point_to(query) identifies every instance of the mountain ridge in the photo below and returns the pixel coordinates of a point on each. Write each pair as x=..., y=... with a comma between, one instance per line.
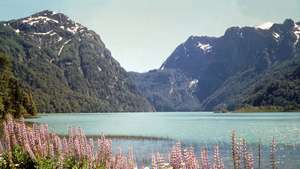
x=67, y=66
x=237, y=58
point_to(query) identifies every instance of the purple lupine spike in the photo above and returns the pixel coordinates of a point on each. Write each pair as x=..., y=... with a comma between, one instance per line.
x=176, y=156
x=65, y=146
x=217, y=162
x=204, y=159
x=235, y=151
x=104, y=150
x=29, y=151
x=58, y=145
x=190, y=159
x=249, y=161
x=11, y=126
x=6, y=136
x=1, y=148
x=90, y=155
x=18, y=134
x=244, y=152
x=154, y=162
x=77, y=149
x=51, y=151
x=7, y=141
x=160, y=161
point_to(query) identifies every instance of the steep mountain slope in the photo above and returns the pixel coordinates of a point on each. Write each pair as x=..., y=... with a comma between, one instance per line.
x=14, y=98
x=67, y=66
x=228, y=67
x=168, y=90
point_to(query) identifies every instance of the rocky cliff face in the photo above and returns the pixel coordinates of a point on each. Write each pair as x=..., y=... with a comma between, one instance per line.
x=67, y=66
x=226, y=68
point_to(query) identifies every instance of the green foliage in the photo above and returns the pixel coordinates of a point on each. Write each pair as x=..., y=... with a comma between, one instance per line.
x=279, y=89
x=47, y=163
x=19, y=160
x=14, y=98
x=70, y=82
x=71, y=163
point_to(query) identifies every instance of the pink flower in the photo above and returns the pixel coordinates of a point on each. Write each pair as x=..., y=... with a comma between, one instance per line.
x=190, y=159
x=176, y=156
x=217, y=162
x=235, y=151
x=204, y=159
x=154, y=162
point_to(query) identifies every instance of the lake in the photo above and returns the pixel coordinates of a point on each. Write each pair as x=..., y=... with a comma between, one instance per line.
x=147, y=133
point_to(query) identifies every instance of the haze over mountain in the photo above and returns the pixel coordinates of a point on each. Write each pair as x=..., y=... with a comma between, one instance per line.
x=256, y=67
x=67, y=66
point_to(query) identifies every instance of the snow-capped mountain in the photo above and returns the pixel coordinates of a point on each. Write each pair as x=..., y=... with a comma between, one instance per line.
x=226, y=68
x=67, y=66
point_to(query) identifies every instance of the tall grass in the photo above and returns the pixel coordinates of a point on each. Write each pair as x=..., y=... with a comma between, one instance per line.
x=36, y=147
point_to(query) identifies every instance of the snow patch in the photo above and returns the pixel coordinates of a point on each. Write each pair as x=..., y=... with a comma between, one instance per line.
x=276, y=35
x=204, y=47
x=162, y=67
x=62, y=47
x=193, y=83
x=53, y=33
x=59, y=39
x=17, y=31
x=171, y=91
x=99, y=68
x=265, y=26
x=33, y=20
x=297, y=33
x=241, y=35
x=46, y=33
x=4, y=24
x=74, y=29
x=62, y=27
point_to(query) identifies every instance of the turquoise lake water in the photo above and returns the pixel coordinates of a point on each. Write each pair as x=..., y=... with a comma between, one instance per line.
x=190, y=128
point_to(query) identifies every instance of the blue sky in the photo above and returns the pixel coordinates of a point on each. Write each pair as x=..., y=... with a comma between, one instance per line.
x=142, y=33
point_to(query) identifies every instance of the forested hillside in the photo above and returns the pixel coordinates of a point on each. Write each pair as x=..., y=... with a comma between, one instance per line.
x=15, y=99
x=67, y=66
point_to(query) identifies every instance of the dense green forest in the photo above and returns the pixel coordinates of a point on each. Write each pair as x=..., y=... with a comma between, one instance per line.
x=15, y=99
x=67, y=71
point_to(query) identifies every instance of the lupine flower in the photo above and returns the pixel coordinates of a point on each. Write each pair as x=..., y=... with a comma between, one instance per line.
x=154, y=162
x=249, y=161
x=190, y=159
x=1, y=148
x=244, y=152
x=160, y=161
x=176, y=157
x=217, y=162
x=235, y=151
x=29, y=151
x=204, y=159
x=104, y=149
x=39, y=143
x=7, y=141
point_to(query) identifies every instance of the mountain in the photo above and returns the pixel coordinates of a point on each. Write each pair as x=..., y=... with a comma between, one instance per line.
x=67, y=66
x=167, y=90
x=248, y=67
